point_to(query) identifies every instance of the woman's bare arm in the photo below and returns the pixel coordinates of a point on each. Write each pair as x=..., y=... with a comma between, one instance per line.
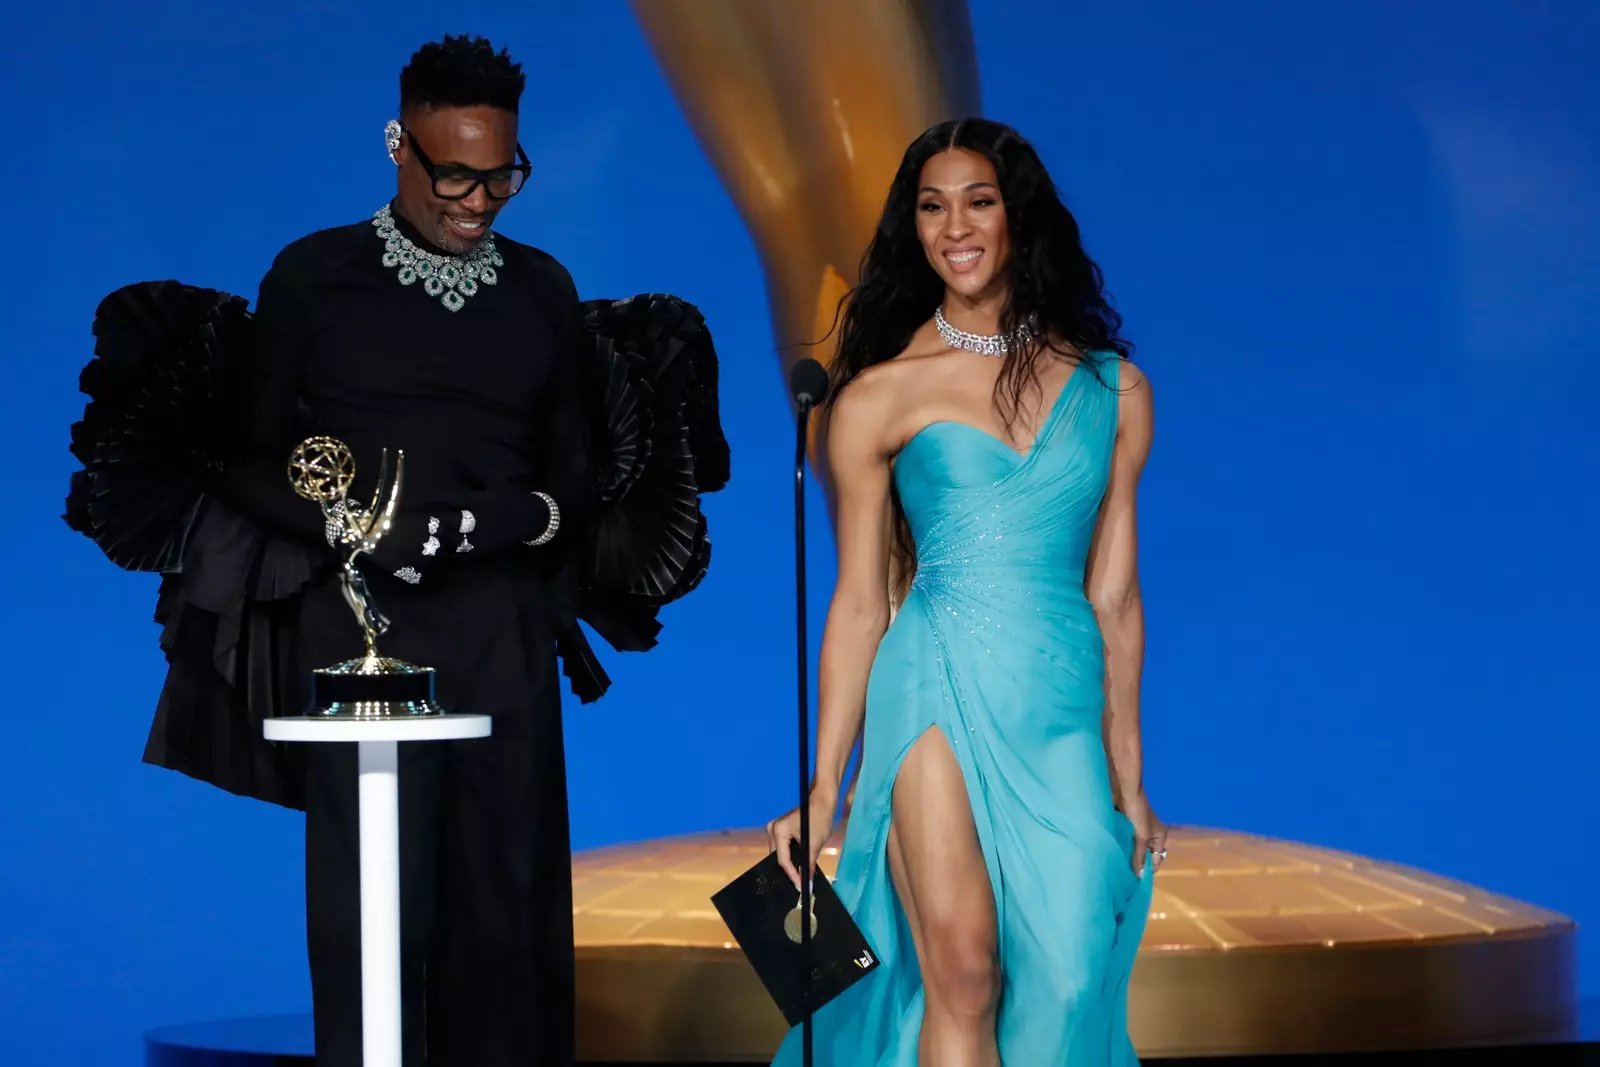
x=1113, y=588
x=859, y=612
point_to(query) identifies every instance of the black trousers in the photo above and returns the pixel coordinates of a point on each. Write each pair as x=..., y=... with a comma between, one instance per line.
x=485, y=893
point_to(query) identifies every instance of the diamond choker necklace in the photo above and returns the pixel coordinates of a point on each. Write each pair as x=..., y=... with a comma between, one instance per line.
x=449, y=278
x=985, y=345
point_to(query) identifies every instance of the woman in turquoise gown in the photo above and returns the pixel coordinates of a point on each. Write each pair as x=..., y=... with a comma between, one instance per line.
x=985, y=436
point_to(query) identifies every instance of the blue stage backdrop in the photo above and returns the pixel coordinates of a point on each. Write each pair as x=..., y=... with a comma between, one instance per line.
x=1359, y=250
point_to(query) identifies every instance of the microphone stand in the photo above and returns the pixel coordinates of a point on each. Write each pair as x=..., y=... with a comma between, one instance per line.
x=805, y=405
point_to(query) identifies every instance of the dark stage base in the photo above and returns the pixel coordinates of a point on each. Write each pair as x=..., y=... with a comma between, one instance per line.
x=260, y=1041
x=285, y=1041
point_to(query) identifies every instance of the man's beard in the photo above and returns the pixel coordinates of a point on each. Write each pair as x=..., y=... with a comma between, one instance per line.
x=458, y=244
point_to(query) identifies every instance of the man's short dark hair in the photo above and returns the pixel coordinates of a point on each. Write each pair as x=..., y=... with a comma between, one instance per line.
x=461, y=72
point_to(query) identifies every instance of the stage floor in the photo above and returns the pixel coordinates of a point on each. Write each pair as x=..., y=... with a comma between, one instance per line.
x=285, y=1041
x=1254, y=945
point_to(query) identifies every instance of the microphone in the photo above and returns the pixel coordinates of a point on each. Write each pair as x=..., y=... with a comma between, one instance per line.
x=808, y=383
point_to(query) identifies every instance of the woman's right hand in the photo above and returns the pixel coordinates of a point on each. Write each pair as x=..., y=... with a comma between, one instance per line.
x=782, y=831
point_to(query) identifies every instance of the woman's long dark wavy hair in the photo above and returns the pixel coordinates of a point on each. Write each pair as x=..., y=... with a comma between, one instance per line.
x=1052, y=281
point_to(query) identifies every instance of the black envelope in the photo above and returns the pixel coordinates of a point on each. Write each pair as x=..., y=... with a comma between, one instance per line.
x=761, y=908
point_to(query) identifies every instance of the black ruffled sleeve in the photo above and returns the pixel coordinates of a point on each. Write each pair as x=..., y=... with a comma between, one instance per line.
x=159, y=441
x=155, y=433
x=649, y=383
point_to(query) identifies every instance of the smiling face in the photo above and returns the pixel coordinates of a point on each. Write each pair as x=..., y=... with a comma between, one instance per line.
x=455, y=141
x=961, y=222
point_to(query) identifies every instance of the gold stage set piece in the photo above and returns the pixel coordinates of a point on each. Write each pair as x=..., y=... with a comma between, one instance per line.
x=1254, y=945
x=805, y=110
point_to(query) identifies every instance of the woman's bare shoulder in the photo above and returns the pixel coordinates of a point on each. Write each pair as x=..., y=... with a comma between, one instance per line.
x=868, y=395
x=1132, y=376
x=885, y=392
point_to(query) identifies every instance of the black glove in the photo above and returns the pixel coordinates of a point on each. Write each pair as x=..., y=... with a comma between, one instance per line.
x=424, y=539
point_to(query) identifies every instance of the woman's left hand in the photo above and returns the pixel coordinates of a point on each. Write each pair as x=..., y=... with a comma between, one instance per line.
x=1150, y=833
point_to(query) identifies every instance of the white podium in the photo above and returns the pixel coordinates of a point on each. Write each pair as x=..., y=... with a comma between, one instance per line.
x=377, y=743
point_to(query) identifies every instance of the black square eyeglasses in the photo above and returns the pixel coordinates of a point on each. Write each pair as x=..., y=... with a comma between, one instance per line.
x=455, y=182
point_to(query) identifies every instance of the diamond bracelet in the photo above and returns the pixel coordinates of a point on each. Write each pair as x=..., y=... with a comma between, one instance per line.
x=555, y=520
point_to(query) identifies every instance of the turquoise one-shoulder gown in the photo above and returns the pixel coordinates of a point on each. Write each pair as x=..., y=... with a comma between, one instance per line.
x=997, y=646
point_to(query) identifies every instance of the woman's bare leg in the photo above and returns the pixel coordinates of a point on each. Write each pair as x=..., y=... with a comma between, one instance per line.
x=943, y=887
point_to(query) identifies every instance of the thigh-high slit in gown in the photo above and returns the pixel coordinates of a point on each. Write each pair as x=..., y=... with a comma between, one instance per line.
x=997, y=646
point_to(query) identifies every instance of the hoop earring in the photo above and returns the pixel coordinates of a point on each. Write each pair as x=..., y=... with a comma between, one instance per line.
x=391, y=138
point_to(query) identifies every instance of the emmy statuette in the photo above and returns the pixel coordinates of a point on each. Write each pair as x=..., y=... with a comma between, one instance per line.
x=372, y=686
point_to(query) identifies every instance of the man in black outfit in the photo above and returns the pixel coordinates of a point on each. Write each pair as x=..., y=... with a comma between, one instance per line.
x=421, y=329
x=556, y=455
